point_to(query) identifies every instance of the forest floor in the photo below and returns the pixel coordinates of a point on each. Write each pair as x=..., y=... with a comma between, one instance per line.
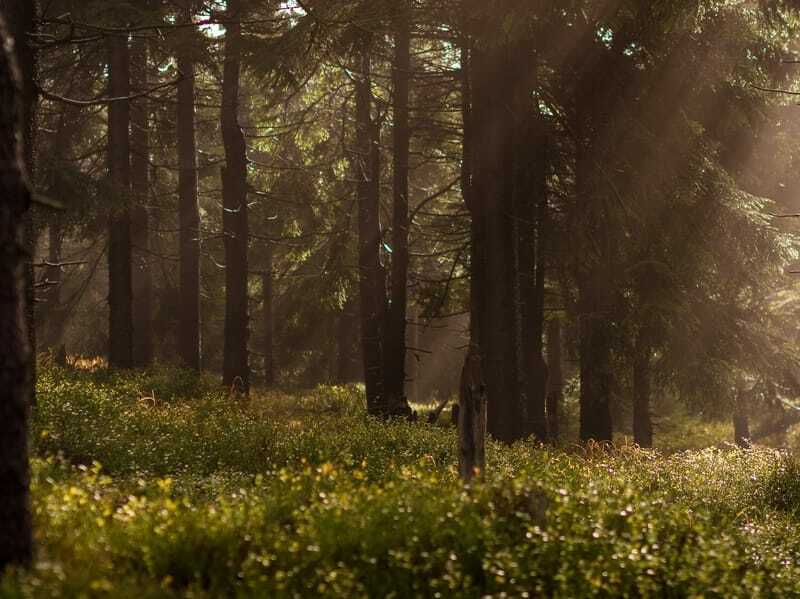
x=157, y=484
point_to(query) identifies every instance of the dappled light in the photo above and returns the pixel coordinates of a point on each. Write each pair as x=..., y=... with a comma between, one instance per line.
x=399, y=298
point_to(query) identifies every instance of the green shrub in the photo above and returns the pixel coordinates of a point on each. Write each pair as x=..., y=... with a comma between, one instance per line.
x=303, y=495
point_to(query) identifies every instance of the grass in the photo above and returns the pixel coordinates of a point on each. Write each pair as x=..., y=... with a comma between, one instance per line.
x=300, y=494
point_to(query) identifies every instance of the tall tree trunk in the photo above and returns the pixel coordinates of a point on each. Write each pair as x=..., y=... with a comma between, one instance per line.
x=16, y=363
x=142, y=280
x=642, y=388
x=21, y=18
x=593, y=281
x=189, y=344
x=395, y=348
x=267, y=289
x=371, y=275
x=497, y=258
x=234, y=191
x=120, y=293
x=531, y=181
x=555, y=378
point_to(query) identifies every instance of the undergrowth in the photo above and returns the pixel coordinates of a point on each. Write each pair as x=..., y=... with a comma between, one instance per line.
x=145, y=488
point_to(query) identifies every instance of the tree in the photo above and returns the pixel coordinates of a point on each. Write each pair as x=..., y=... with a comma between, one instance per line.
x=16, y=363
x=120, y=294
x=142, y=279
x=235, y=219
x=189, y=209
x=395, y=344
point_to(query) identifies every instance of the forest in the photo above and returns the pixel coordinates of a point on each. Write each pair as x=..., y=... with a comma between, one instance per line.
x=399, y=298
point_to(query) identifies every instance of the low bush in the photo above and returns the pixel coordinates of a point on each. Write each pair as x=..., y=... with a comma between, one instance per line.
x=302, y=495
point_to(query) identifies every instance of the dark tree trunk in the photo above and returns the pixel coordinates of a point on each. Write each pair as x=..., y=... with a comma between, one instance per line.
x=142, y=280
x=120, y=292
x=236, y=368
x=472, y=417
x=267, y=290
x=395, y=349
x=189, y=343
x=555, y=378
x=642, y=389
x=594, y=285
x=371, y=275
x=16, y=363
x=531, y=211
x=496, y=257
x=21, y=16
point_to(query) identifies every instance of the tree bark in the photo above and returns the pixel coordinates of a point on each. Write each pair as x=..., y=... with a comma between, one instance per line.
x=372, y=277
x=16, y=363
x=236, y=368
x=120, y=294
x=142, y=280
x=642, y=389
x=555, y=378
x=395, y=349
x=531, y=181
x=472, y=418
x=189, y=343
x=267, y=289
x=593, y=276
x=496, y=284
x=22, y=18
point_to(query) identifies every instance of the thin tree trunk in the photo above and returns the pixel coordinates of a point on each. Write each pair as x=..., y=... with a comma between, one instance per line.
x=372, y=283
x=52, y=312
x=120, y=294
x=142, y=280
x=189, y=343
x=395, y=349
x=555, y=378
x=236, y=368
x=267, y=289
x=16, y=363
x=642, y=389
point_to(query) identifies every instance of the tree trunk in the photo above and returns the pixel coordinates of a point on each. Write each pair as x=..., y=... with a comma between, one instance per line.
x=189, y=343
x=555, y=378
x=269, y=322
x=120, y=293
x=372, y=281
x=22, y=18
x=236, y=369
x=642, y=389
x=142, y=280
x=395, y=349
x=52, y=313
x=531, y=182
x=16, y=363
x=496, y=257
x=593, y=281
x=472, y=418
